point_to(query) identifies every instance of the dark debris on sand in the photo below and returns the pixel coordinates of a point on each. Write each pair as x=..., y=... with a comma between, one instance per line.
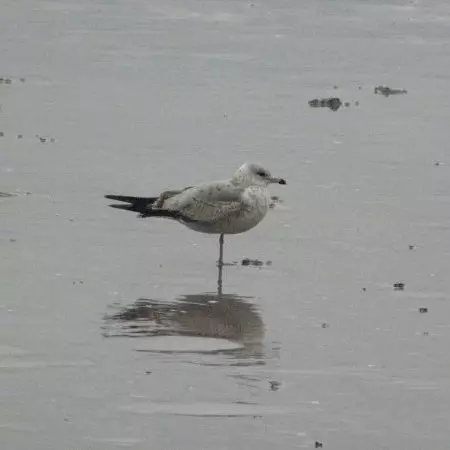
x=274, y=201
x=41, y=139
x=10, y=80
x=252, y=262
x=387, y=91
x=274, y=385
x=334, y=103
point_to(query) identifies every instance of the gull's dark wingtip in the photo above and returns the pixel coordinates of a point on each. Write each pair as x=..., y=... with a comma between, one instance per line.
x=126, y=207
x=136, y=204
x=129, y=198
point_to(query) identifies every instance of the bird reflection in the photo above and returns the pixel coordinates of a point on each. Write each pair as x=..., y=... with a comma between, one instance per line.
x=209, y=315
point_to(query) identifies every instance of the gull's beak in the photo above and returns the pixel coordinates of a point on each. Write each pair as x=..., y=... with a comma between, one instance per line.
x=278, y=180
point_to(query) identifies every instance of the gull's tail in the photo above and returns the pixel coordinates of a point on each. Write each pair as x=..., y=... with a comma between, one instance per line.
x=143, y=206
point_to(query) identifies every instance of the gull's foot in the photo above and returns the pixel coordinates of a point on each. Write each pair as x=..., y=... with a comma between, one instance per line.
x=234, y=263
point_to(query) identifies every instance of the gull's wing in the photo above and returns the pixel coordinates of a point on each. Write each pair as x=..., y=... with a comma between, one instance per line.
x=208, y=203
x=209, y=213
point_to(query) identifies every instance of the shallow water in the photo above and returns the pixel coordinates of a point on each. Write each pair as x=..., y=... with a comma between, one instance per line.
x=111, y=335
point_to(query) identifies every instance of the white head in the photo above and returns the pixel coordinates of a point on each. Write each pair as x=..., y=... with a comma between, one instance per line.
x=254, y=174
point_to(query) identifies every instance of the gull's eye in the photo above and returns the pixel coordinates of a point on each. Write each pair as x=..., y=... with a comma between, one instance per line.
x=261, y=173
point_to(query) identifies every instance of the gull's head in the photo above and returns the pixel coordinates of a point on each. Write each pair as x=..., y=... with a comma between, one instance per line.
x=255, y=174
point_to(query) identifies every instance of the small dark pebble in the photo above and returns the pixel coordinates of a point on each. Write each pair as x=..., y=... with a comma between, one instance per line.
x=251, y=262
x=347, y=104
x=437, y=163
x=387, y=91
x=13, y=240
x=334, y=103
x=2, y=134
x=411, y=247
x=325, y=325
x=274, y=201
x=22, y=80
x=399, y=286
x=274, y=385
x=8, y=80
x=423, y=310
x=318, y=444
x=19, y=136
x=364, y=289
x=268, y=263
x=425, y=333
x=357, y=103
x=148, y=372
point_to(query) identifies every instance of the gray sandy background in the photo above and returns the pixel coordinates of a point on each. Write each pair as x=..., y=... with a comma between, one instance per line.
x=110, y=333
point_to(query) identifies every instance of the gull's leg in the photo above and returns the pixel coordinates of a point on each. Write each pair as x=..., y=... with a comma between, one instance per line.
x=221, y=250
x=220, y=265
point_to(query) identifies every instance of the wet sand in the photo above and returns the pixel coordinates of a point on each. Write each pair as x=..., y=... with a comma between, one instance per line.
x=111, y=333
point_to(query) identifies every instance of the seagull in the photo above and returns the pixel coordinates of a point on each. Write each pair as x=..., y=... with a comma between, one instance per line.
x=219, y=207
